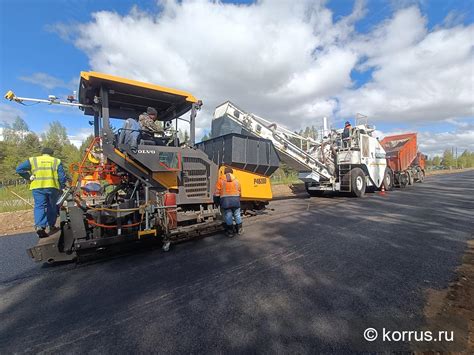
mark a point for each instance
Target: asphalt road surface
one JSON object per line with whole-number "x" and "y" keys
{"x": 307, "y": 277}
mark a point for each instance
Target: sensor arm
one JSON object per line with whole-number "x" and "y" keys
{"x": 52, "y": 100}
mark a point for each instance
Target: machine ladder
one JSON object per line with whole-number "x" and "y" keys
{"x": 345, "y": 178}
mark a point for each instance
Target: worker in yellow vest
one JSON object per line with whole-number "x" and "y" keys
{"x": 48, "y": 178}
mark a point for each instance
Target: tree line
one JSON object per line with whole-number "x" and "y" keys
{"x": 19, "y": 144}
{"x": 449, "y": 160}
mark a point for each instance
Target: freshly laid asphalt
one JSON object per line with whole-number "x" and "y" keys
{"x": 309, "y": 276}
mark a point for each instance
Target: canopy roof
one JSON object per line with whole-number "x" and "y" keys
{"x": 129, "y": 98}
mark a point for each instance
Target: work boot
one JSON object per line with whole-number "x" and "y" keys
{"x": 41, "y": 231}
{"x": 53, "y": 230}
{"x": 240, "y": 229}
{"x": 229, "y": 231}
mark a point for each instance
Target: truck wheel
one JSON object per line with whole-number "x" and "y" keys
{"x": 388, "y": 179}
{"x": 403, "y": 180}
{"x": 410, "y": 178}
{"x": 420, "y": 176}
{"x": 358, "y": 184}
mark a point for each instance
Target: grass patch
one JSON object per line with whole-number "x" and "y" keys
{"x": 284, "y": 176}
{"x": 9, "y": 202}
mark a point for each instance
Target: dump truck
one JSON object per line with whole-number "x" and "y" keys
{"x": 146, "y": 188}
{"x": 329, "y": 163}
{"x": 404, "y": 159}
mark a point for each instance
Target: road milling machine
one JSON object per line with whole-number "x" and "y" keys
{"x": 132, "y": 188}
{"x": 329, "y": 163}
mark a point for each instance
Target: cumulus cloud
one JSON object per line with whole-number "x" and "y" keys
{"x": 80, "y": 136}
{"x": 435, "y": 143}
{"x": 50, "y": 82}
{"x": 269, "y": 57}
{"x": 418, "y": 75}
{"x": 289, "y": 61}
{"x": 8, "y": 114}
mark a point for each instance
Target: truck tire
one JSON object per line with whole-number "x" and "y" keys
{"x": 388, "y": 180}
{"x": 420, "y": 175}
{"x": 403, "y": 179}
{"x": 358, "y": 184}
{"x": 410, "y": 178}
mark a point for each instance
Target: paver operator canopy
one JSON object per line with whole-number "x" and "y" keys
{"x": 108, "y": 96}
{"x": 129, "y": 98}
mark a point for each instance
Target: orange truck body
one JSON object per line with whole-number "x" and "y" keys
{"x": 402, "y": 152}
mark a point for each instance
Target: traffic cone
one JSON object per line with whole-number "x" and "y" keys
{"x": 382, "y": 190}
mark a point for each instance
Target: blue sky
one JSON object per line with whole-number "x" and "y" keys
{"x": 29, "y": 45}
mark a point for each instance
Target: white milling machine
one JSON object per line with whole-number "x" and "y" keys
{"x": 329, "y": 163}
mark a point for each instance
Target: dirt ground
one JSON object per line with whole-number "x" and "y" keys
{"x": 452, "y": 309}
{"x": 16, "y": 222}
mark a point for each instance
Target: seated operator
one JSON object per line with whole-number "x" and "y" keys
{"x": 148, "y": 121}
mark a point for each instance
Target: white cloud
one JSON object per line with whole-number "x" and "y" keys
{"x": 80, "y": 136}
{"x": 418, "y": 75}
{"x": 270, "y": 57}
{"x": 289, "y": 61}
{"x": 8, "y": 113}
{"x": 436, "y": 143}
{"x": 50, "y": 82}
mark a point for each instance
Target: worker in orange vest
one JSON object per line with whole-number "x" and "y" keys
{"x": 346, "y": 134}
{"x": 227, "y": 194}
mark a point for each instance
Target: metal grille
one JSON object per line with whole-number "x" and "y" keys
{"x": 196, "y": 177}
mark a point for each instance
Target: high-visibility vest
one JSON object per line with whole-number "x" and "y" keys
{"x": 228, "y": 188}
{"x": 45, "y": 170}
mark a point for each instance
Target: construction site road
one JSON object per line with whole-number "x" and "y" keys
{"x": 310, "y": 275}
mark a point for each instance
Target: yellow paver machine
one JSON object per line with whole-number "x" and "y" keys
{"x": 134, "y": 188}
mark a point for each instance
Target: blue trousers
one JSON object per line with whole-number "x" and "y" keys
{"x": 230, "y": 213}
{"x": 46, "y": 211}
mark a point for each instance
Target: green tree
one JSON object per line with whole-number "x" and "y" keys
{"x": 465, "y": 160}
{"x": 56, "y": 138}
{"x": 205, "y": 137}
{"x": 15, "y": 132}
{"x": 18, "y": 145}
{"x": 436, "y": 161}
{"x": 85, "y": 144}
{"x": 183, "y": 136}
{"x": 31, "y": 144}
{"x": 19, "y": 125}
{"x": 448, "y": 159}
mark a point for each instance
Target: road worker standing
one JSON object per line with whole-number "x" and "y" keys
{"x": 227, "y": 194}
{"x": 47, "y": 177}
